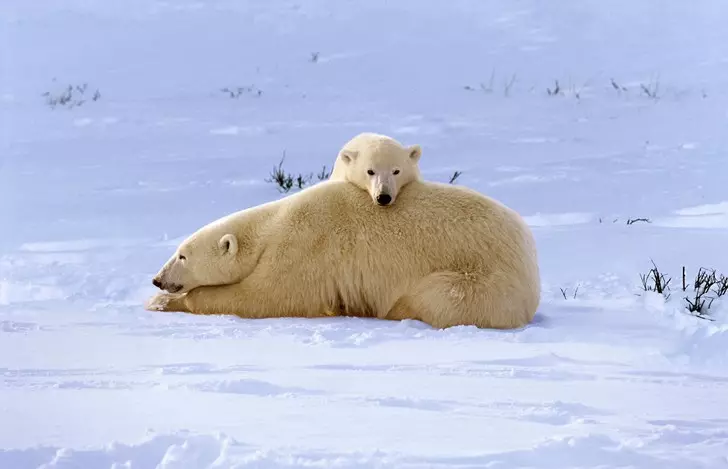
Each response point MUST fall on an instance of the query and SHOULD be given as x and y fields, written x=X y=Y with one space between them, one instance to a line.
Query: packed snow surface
x=98 y=186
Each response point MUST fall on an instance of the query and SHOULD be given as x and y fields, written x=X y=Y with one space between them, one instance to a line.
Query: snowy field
x=95 y=196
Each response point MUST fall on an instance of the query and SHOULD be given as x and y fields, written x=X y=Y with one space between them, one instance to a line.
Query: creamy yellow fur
x=377 y=164
x=443 y=254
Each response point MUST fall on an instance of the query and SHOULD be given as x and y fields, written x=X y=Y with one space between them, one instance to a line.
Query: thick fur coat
x=443 y=254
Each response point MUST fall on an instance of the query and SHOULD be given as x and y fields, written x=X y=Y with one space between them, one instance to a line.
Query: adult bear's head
x=217 y=254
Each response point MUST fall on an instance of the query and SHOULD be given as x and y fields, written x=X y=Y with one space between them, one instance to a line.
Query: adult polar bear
x=442 y=254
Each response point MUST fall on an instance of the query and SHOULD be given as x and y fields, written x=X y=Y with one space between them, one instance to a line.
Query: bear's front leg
x=167 y=302
x=222 y=299
x=247 y=301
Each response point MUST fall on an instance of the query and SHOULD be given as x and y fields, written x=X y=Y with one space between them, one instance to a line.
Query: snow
x=94 y=198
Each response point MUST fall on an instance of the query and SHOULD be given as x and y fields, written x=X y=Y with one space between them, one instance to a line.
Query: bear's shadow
x=348 y=332
x=339 y=332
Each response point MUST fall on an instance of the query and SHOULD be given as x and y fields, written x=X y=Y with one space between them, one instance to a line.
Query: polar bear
x=377 y=164
x=444 y=255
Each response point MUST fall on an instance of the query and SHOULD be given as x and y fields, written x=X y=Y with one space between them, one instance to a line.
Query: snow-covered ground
x=94 y=198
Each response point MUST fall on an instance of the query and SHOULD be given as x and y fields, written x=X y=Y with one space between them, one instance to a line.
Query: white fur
x=377 y=164
x=443 y=254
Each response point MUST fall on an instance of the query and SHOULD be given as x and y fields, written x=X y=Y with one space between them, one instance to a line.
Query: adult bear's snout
x=157 y=283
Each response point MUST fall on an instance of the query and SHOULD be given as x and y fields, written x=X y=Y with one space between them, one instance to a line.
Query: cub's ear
x=228 y=244
x=415 y=151
x=347 y=156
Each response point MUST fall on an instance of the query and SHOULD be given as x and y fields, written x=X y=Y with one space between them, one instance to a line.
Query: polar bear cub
x=377 y=164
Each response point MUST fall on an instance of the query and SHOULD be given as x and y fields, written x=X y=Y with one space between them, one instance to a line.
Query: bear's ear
x=228 y=244
x=415 y=151
x=347 y=156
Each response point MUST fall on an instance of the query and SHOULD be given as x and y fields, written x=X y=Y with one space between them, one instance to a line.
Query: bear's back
x=432 y=226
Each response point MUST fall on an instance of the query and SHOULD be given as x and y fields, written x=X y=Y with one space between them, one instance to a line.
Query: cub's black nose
x=383 y=199
x=157 y=283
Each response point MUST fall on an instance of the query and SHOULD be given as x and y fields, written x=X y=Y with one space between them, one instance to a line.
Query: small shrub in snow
x=570 y=90
x=655 y=281
x=576 y=92
x=454 y=176
x=721 y=285
x=508 y=85
x=287 y=181
x=323 y=175
x=314 y=57
x=556 y=90
x=706 y=287
x=564 y=290
x=280 y=177
x=651 y=90
x=235 y=93
x=706 y=282
x=72 y=96
x=630 y=221
x=618 y=87
x=488 y=89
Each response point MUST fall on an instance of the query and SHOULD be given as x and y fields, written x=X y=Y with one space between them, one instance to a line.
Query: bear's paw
x=166 y=302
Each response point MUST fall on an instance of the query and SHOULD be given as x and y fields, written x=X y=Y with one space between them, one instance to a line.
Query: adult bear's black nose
x=157 y=283
x=384 y=199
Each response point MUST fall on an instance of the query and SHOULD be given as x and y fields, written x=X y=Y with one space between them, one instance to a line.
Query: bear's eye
x=370 y=172
x=395 y=172
x=182 y=258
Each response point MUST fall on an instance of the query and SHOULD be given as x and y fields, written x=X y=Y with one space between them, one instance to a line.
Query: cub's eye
x=395 y=172
x=370 y=172
x=182 y=258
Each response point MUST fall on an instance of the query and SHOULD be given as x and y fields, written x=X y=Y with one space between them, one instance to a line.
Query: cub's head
x=211 y=256
x=379 y=165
